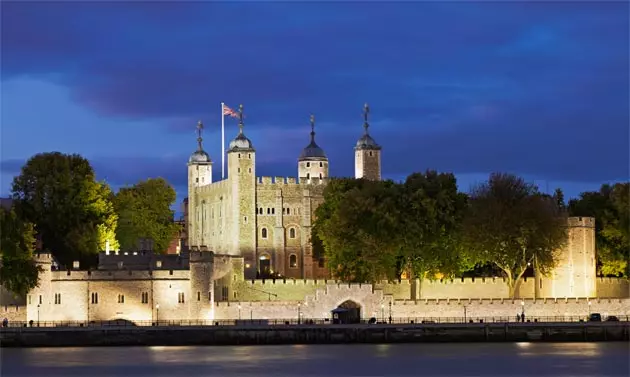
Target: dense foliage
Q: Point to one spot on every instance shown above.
(611, 208)
(18, 271)
(145, 212)
(71, 211)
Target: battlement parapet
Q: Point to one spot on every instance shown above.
(255, 304)
(71, 275)
(581, 222)
(276, 181)
(469, 281)
(291, 282)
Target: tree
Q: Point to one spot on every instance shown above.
(18, 271)
(432, 211)
(72, 213)
(355, 226)
(512, 225)
(144, 210)
(610, 207)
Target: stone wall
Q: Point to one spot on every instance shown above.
(613, 287)
(11, 307)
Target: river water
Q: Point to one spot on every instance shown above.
(400, 360)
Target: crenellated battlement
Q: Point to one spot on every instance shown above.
(279, 181)
(71, 275)
(583, 222)
(290, 282)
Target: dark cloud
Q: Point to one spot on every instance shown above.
(536, 88)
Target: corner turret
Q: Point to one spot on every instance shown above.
(367, 153)
(313, 162)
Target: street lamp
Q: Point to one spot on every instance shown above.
(522, 311)
(464, 313)
(157, 314)
(383, 312)
(239, 312)
(589, 308)
(299, 312)
(37, 315)
(390, 312)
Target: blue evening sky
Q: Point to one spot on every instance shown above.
(539, 89)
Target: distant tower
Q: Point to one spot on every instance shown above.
(199, 174)
(367, 154)
(242, 206)
(575, 271)
(313, 162)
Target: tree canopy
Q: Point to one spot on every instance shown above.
(611, 208)
(370, 230)
(71, 211)
(145, 212)
(18, 271)
(510, 224)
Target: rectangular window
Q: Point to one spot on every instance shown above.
(30, 299)
(145, 297)
(57, 298)
(180, 297)
(121, 299)
(198, 296)
(40, 299)
(94, 298)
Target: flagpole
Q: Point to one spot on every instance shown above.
(222, 142)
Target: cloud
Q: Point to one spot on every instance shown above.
(537, 89)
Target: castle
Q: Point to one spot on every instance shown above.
(243, 225)
(265, 220)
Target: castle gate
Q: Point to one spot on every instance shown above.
(346, 313)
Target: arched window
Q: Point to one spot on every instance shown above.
(291, 232)
(293, 261)
(320, 176)
(321, 164)
(308, 175)
(263, 232)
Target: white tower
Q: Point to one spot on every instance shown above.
(199, 174)
(313, 162)
(367, 154)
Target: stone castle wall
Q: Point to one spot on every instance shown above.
(613, 288)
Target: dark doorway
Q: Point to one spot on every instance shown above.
(347, 313)
(264, 265)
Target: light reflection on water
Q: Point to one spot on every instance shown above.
(471, 359)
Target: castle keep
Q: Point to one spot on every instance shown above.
(266, 220)
(245, 226)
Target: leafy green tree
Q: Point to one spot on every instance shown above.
(144, 210)
(611, 209)
(71, 211)
(355, 226)
(18, 271)
(430, 221)
(512, 225)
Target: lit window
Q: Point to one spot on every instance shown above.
(121, 299)
(292, 233)
(263, 233)
(293, 261)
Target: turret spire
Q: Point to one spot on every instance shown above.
(240, 119)
(312, 128)
(199, 138)
(366, 112)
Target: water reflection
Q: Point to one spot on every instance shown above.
(401, 360)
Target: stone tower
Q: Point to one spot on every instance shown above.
(40, 299)
(575, 272)
(201, 304)
(199, 174)
(242, 208)
(313, 162)
(367, 154)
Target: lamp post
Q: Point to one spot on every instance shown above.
(299, 312)
(589, 308)
(464, 313)
(522, 311)
(390, 312)
(37, 315)
(157, 314)
(239, 312)
(383, 312)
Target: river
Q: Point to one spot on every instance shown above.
(400, 360)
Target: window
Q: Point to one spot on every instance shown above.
(224, 293)
(239, 155)
(239, 170)
(145, 297)
(250, 170)
(268, 211)
(370, 153)
(30, 299)
(40, 299)
(94, 298)
(198, 296)
(180, 297)
(245, 219)
(273, 211)
(57, 298)
(321, 164)
(308, 175)
(121, 299)
(249, 155)
(210, 296)
(293, 261)
(291, 232)
(320, 175)
(263, 232)
(308, 164)
(197, 180)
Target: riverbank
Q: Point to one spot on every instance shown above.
(313, 334)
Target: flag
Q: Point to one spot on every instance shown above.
(229, 112)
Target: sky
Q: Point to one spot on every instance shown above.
(538, 89)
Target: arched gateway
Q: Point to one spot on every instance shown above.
(346, 313)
